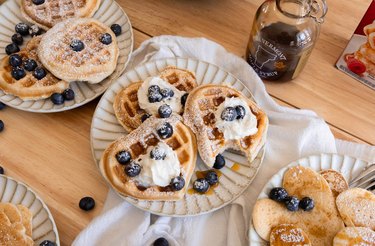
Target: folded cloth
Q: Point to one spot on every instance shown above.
(292, 134)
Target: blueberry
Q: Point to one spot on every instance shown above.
(116, 29)
(30, 64)
(241, 112)
(161, 241)
(201, 185)
(15, 60)
(17, 39)
(278, 194)
(153, 89)
(22, 28)
(145, 117)
(165, 111)
(132, 169)
(1, 125)
(77, 45)
(35, 30)
(11, 48)
(1, 170)
(18, 73)
(2, 106)
(47, 243)
(106, 38)
(165, 130)
(39, 73)
(123, 157)
(306, 204)
(38, 2)
(57, 98)
(291, 203)
(184, 98)
(229, 114)
(87, 203)
(219, 162)
(68, 94)
(167, 93)
(211, 177)
(157, 153)
(178, 183)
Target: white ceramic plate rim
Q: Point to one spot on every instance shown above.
(45, 207)
(261, 153)
(254, 238)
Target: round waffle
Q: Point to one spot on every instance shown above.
(52, 12)
(199, 116)
(182, 142)
(92, 64)
(29, 88)
(126, 106)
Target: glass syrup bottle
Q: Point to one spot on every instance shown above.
(282, 37)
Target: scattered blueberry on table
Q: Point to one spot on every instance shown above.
(161, 241)
(116, 29)
(87, 203)
(2, 106)
(219, 162)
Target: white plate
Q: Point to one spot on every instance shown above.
(348, 166)
(44, 227)
(105, 129)
(109, 13)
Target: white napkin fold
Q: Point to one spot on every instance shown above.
(292, 134)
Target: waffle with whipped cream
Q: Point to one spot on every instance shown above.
(222, 118)
(79, 49)
(50, 12)
(133, 103)
(29, 87)
(153, 162)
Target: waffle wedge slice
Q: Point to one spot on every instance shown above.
(199, 115)
(126, 105)
(29, 88)
(137, 142)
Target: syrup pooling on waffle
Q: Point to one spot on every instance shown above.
(29, 87)
(125, 153)
(74, 50)
(51, 12)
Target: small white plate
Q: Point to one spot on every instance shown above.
(348, 166)
(109, 13)
(105, 129)
(44, 227)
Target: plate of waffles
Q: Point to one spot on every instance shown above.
(309, 202)
(151, 148)
(63, 55)
(24, 218)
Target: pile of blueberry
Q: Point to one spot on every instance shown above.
(292, 203)
(30, 65)
(155, 94)
(22, 29)
(233, 113)
(202, 185)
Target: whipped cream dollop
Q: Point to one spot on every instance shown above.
(158, 172)
(152, 108)
(238, 128)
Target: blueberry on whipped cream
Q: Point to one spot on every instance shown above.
(155, 92)
(235, 119)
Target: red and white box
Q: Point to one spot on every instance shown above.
(358, 58)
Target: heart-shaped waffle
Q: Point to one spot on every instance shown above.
(357, 207)
(29, 87)
(126, 104)
(51, 12)
(199, 115)
(321, 224)
(137, 143)
(92, 62)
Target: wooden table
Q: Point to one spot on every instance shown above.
(51, 152)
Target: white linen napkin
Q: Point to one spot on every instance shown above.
(292, 134)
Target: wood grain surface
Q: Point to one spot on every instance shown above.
(51, 152)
